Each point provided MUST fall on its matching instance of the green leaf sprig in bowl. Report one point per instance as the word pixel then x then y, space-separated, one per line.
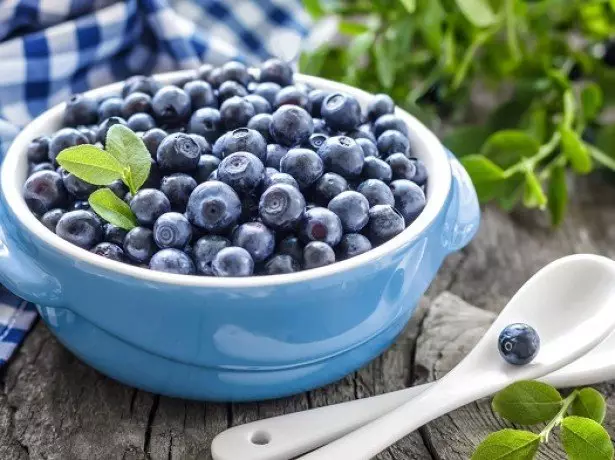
pixel 578 416
pixel 125 157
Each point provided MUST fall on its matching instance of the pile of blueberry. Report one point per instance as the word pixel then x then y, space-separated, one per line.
pixel 251 173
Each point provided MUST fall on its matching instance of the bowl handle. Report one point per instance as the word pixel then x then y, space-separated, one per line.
pixel 22 276
pixel 463 215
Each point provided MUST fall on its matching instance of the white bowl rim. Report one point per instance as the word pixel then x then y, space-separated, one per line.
pixel 433 154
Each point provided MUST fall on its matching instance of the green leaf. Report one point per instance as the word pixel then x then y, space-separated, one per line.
pixel 508 147
pixel 534 123
pixel 90 164
pixel 605 140
pixel 558 195
pixel 575 151
pixel 385 63
pixel 601 157
pixel 352 28
pixel 527 402
pixel 360 45
pixel 591 101
pixel 481 168
pixel 409 5
pixel 111 208
pixel 478 12
pixel 508 445
pixel 314 8
pixel 589 403
pixel 131 152
pixel 585 439
pixel 432 17
pixel 533 195
pixel 558 79
pixel 466 140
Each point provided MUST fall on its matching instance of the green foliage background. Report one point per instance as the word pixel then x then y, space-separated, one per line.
pixel 546 55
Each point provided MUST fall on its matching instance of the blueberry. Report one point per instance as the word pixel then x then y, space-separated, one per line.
pixel 353 210
pixel 38 150
pixel 281 264
pixel 380 104
pixel 215 78
pixel 172 230
pixel 80 228
pixel 362 132
pixel 178 152
pixel 154 177
pixel 389 121
pixel 236 71
pixel 392 141
pixel 342 155
pixel 80 110
pixel 256 238
pixel 213 175
pixel 219 147
pixel 205 250
pixel 369 148
pixel 291 125
pixel 43 191
pixel 320 126
pixel 230 89
pixel 384 223
pixel 113 234
pixel 149 204
pixel 79 188
pixel 177 188
pixel 276 177
pixel 320 224
pixel 281 206
pixel 118 187
pixel 201 94
pixel 109 250
pixel 518 344
pixel 241 170
pixel 317 254
pixel 91 132
pixel 261 122
pixel 304 165
pixel 294 96
pixel 64 138
pixel 420 175
pixel 401 166
pixel 46 166
pixel 214 206
pixel 142 84
pixel 171 105
pixel 351 245
pixel 110 107
pixel 292 246
pixel 376 192
pixel 207 165
pixel 275 153
pixel 329 186
pixel 203 72
pixel 233 261
pixel 207 123
pixel 268 91
pixel 261 105
pixel 409 199
pixel 244 140
pixel 172 261
pixel 81 205
pixel 236 112
pixel 103 128
pixel 136 103
pixel 277 71
pixel 152 139
pixel 375 168
pixel 204 147
pixel 316 98
pixel 141 122
pixel 315 141
pixel 50 218
pixel 341 111
pixel 139 244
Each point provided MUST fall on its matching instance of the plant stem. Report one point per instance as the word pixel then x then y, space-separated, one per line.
pixel 511 31
pixel 543 152
pixel 479 41
pixel 544 434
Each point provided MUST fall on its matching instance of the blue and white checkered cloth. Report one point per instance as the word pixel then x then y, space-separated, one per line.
pixel 50 49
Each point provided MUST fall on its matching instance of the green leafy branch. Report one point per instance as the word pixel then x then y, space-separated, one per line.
pixel 125 158
pixel 578 416
pixel 431 55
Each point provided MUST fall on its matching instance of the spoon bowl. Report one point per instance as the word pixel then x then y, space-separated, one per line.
pixel 568 302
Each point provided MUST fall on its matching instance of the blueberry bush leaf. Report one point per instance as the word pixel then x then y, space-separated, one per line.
pixel 575 151
pixel 557 195
pixel 111 208
pixel 478 12
pixel 508 445
pixel 90 164
pixel 527 402
pixel 591 101
pixel 130 151
pixel 589 403
pixel 508 147
pixel 585 439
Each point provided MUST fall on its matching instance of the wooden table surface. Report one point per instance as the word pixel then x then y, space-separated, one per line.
pixel 54 407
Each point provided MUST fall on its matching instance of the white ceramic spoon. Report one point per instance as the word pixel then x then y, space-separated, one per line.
pixel 567 302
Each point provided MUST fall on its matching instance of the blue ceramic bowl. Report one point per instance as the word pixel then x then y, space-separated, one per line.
pixel 231 339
